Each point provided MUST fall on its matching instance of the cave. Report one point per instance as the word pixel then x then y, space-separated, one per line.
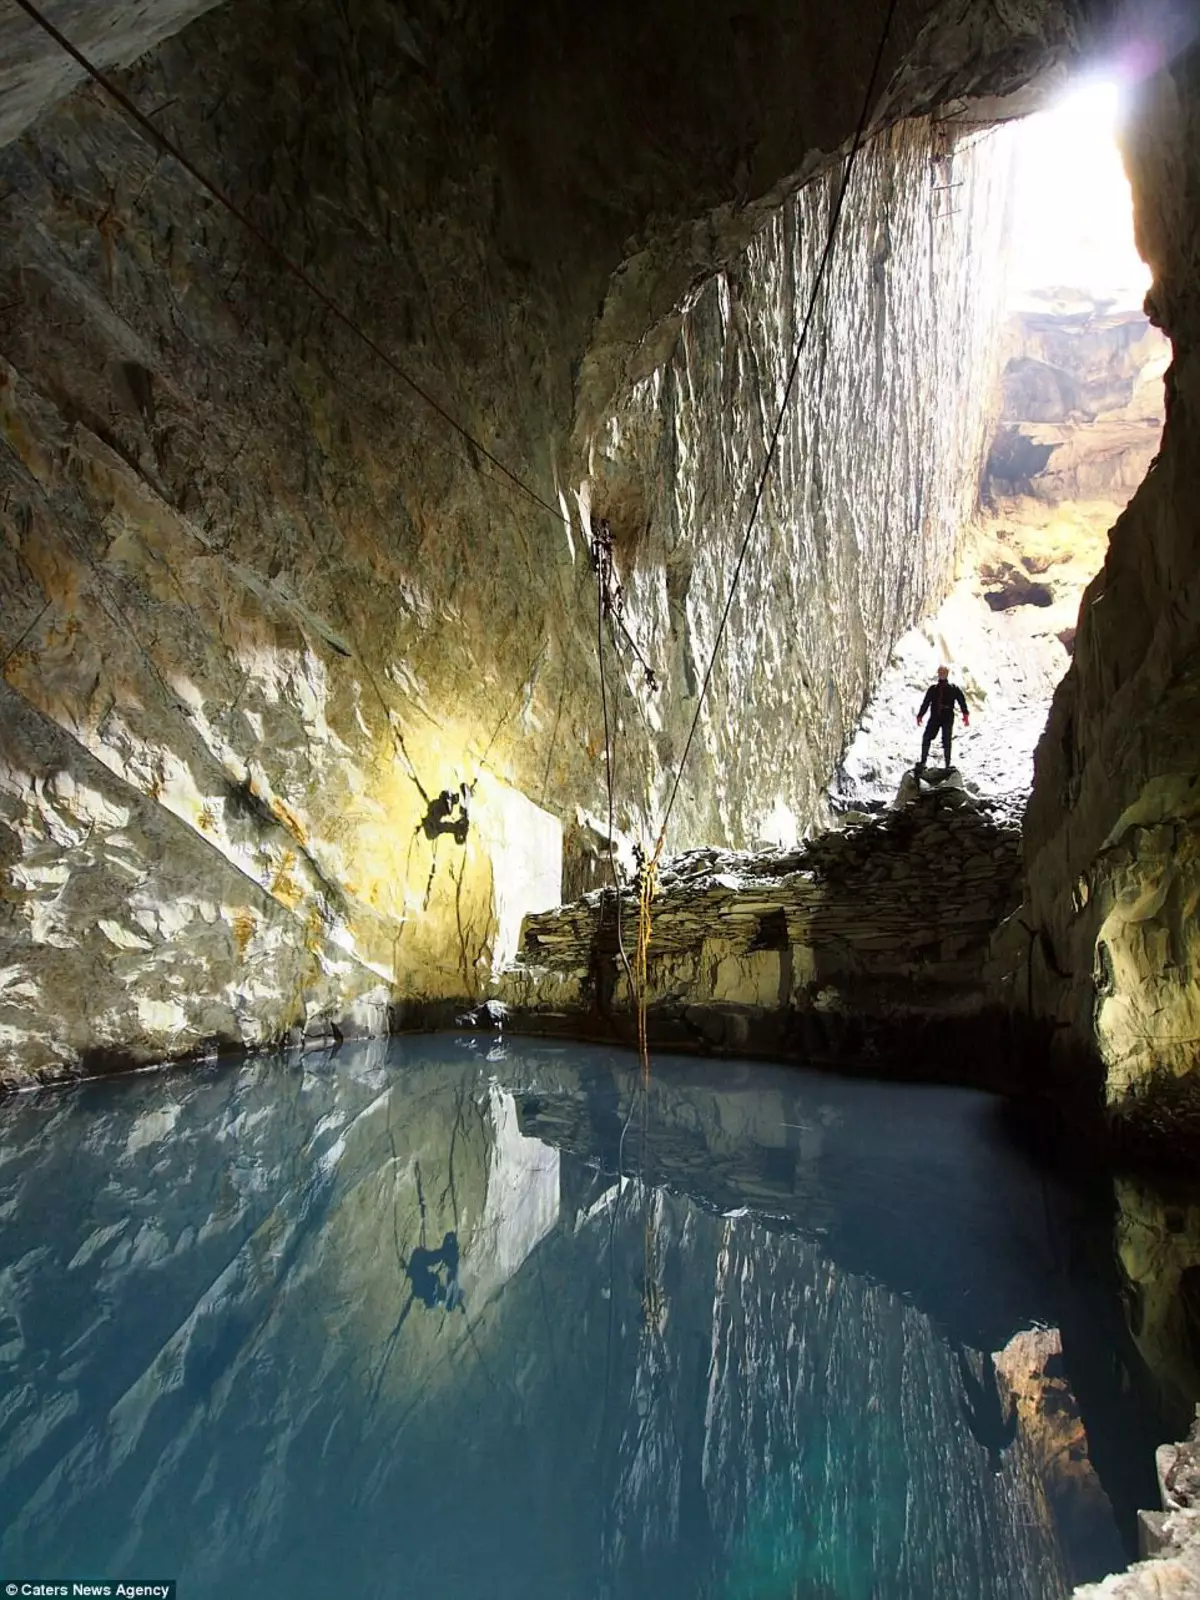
pixel 512 1076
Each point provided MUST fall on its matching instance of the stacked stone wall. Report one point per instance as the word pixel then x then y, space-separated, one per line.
pixel 873 936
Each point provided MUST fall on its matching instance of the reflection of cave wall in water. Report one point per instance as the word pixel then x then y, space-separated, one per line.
pixel 1158 1245
pixel 263 1348
pixel 238 554
pixel 1033 1374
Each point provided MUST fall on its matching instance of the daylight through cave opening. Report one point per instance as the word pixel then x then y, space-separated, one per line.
pixel 1076 421
pixel 309 722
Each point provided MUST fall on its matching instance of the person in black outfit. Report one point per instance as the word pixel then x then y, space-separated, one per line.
pixel 939 702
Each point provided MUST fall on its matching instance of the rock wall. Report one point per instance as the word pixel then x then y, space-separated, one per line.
pixel 1113 827
pixel 1080 418
pixel 863 515
pixel 1081 409
pixel 35 71
pixel 868 939
pixel 248 574
pixel 1168 1539
pixel 1158 1247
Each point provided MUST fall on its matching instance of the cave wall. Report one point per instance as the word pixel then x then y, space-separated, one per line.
pixel 35 71
pixel 1081 407
pixel 251 577
pixel 875 480
pixel 1113 827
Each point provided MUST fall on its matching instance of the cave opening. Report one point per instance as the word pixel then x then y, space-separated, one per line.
pixel 1076 422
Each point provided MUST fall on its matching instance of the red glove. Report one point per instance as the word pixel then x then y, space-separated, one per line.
pixel 966 720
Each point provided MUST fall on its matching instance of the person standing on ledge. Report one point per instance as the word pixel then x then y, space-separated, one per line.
pixel 939 701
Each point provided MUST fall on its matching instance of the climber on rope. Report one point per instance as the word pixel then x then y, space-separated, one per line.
pixel 939 701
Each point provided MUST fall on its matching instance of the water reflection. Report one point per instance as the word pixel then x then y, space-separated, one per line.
pixel 408 1320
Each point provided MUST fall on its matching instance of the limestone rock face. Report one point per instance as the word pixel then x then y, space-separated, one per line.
pixel 35 72
pixel 249 574
pixel 864 511
pixel 1113 826
pixel 1051 1428
pixel 1081 414
pixel 112 906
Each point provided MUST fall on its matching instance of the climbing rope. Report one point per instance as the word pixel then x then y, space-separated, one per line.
pixel 650 866
pixel 615 603
pixel 277 252
pixel 653 1295
pixel 818 281
pixel 602 562
pixel 612 594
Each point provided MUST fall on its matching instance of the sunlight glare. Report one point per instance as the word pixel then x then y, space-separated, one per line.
pixel 1073 212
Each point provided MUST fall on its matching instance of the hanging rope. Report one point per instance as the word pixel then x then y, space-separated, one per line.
pixel 653 1295
pixel 168 146
pixel 831 235
pixel 276 251
pixel 612 595
pixel 649 867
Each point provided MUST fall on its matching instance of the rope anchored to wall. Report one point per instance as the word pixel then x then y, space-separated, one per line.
pixel 601 546
pixel 612 594
pixel 645 880
pixel 648 867
pixel 168 146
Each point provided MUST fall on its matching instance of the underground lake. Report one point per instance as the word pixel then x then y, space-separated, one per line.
pixel 455 1317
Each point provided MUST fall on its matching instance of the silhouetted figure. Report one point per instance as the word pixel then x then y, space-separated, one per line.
pixel 424 1273
pixel 984 1413
pixel 449 813
pixel 939 701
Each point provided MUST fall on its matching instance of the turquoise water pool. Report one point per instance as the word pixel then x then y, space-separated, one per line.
pixel 439 1317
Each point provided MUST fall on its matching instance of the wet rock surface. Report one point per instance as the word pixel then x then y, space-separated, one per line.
pixel 883 924
pixel 247 572
pixel 1169 1539
pixel 1111 837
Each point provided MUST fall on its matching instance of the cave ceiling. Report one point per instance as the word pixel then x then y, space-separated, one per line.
pixel 266 620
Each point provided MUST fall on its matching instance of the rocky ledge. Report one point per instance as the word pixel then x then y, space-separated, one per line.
pixel 869 940
pixel 1169 1539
